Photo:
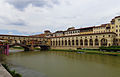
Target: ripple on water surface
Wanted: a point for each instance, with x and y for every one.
(64, 64)
(25, 72)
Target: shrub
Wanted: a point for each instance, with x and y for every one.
(110, 48)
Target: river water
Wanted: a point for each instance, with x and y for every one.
(64, 64)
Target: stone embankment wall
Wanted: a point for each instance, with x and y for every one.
(4, 72)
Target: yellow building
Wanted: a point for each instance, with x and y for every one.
(89, 37)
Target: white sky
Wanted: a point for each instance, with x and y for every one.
(33, 16)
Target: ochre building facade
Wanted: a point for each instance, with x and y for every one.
(88, 37)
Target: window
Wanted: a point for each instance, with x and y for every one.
(62, 43)
(116, 30)
(59, 42)
(116, 26)
(76, 42)
(65, 42)
(73, 42)
(118, 20)
(112, 22)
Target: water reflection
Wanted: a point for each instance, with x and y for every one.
(64, 64)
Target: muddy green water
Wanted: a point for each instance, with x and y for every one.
(64, 64)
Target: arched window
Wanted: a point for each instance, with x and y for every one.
(20, 41)
(65, 42)
(77, 42)
(59, 42)
(81, 42)
(114, 42)
(56, 42)
(69, 43)
(72, 42)
(15, 41)
(96, 42)
(24, 41)
(103, 42)
(91, 42)
(62, 43)
(10, 41)
(53, 43)
(86, 42)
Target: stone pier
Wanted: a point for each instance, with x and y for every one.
(4, 72)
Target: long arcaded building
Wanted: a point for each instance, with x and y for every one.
(88, 37)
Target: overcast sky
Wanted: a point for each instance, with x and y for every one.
(26, 17)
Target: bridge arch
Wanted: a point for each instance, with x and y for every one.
(26, 48)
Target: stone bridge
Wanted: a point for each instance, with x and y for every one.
(27, 42)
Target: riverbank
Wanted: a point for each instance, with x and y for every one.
(20, 48)
(86, 51)
(4, 72)
(89, 52)
(11, 72)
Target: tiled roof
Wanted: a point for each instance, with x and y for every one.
(39, 35)
(16, 35)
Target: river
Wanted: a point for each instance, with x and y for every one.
(64, 64)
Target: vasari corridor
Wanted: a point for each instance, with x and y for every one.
(59, 38)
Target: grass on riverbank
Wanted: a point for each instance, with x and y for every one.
(17, 48)
(90, 52)
(23, 48)
(68, 50)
